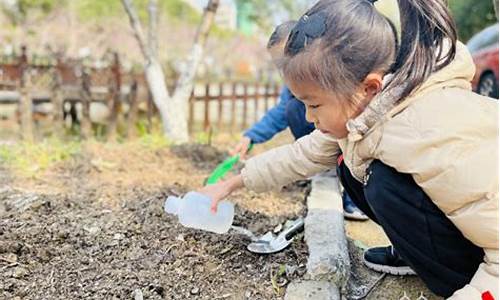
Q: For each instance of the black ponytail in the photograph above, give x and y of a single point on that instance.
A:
(428, 42)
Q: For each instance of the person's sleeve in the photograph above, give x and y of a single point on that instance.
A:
(273, 169)
(273, 122)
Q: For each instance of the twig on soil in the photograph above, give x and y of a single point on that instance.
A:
(5, 259)
(171, 247)
(10, 266)
(224, 296)
(226, 250)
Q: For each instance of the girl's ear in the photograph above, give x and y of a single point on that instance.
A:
(372, 85)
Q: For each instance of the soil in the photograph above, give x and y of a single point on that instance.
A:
(94, 228)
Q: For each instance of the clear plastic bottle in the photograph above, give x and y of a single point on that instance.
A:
(194, 211)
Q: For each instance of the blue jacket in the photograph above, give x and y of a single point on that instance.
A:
(288, 112)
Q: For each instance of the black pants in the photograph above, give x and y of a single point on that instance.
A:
(418, 230)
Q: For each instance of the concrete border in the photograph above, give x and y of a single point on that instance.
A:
(328, 265)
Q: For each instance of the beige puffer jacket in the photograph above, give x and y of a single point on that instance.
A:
(443, 134)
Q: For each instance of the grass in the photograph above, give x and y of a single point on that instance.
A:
(32, 158)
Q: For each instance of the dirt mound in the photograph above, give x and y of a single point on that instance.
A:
(203, 157)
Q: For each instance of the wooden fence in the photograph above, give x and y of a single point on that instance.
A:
(64, 82)
(227, 97)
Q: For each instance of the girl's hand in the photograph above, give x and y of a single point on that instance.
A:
(221, 190)
(241, 148)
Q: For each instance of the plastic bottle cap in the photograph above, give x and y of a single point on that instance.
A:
(172, 205)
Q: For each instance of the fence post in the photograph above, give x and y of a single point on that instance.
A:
(245, 105)
(86, 99)
(206, 99)
(114, 96)
(133, 108)
(57, 97)
(234, 96)
(220, 103)
(25, 102)
(256, 101)
(266, 97)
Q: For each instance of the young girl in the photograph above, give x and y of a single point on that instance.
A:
(420, 149)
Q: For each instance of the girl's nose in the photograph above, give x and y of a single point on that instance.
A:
(309, 116)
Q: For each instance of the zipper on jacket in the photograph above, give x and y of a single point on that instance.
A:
(367, 177)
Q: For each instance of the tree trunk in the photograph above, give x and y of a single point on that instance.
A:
(173, 109)
(153, 27)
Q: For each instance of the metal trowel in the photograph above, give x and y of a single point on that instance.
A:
(269, 243)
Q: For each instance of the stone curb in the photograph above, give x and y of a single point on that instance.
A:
(328, 265)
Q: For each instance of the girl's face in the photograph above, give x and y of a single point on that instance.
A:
(328, 111)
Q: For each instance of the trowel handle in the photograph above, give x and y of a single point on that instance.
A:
(296, 226)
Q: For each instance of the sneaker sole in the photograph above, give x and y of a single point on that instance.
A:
(398, 271)
(355, 217)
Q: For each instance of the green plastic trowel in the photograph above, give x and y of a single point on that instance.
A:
(224, 167)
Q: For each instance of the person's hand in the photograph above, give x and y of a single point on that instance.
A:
(241, 148)
(221, 190)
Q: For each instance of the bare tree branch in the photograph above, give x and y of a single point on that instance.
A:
(186, 79)
(153, 27)
(137, 28)
(206, 22)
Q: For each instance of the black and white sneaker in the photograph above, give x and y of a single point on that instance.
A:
(386, 260)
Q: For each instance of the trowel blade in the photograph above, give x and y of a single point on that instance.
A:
(269, 246)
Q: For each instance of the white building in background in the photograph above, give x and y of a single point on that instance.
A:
(226, 15)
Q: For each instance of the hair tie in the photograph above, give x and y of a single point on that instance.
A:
(307, 29)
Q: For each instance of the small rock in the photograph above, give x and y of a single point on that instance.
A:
(288, 223)
(118, 236)
(195, 291)
(62, 235)
(19, 272)
(138, 294)
(10, 258)
(290, 270)
(278, 228)
(248, 294)
(92, 230)
(180, 237)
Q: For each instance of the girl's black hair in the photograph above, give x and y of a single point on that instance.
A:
(428, 41)
(337, 43)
